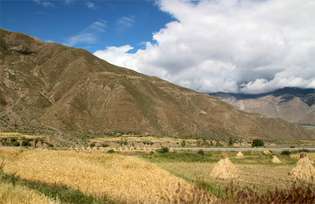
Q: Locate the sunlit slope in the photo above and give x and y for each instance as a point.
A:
(52, 88)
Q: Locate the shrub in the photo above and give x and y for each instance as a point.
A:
(26, 143)
(148, 142)
(163, 150)
(183, 143)
(14, 142)
(304, 150)
(286, 153)
(123, 142)
(116, 133)
(219, 144)
(201, 152)
(111, 151)
(258, 143)
(231, 141)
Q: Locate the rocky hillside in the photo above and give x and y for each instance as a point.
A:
(52, 88)
(292, 104)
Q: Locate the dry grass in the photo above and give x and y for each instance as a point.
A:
(310, 155)
(19, 135)
(121, 178)
(295, 193)
(10, 194)
(254, 175)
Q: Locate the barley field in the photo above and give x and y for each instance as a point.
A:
(32, 176)
(96, 177)
(256, 170)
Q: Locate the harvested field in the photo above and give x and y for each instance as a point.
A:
(10, 194)
(107, 177)
(70, 176)
(256, 170)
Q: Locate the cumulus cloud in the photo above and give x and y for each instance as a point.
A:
(229, 45)
(89, 35)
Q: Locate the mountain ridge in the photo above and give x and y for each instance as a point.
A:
(54, 88)
(289, 103)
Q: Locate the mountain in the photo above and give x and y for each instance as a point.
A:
(46, 87)
(292, 104)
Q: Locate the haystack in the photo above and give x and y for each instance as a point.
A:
(304, 170)
(267, 152)
(239, 155)
(225, 169)
(276, 160)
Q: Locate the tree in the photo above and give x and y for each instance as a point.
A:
(231, 141)
(183, 143)
(258, 143)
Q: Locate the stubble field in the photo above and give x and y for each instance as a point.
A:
(69, 176)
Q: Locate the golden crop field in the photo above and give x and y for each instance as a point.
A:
(72, 176)
(10, 194)
(97, 177)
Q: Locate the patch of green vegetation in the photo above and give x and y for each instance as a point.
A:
(202, 156)
(214, 189)
(201, 152)
(180, 156)
(111, 151)
(163, 150)
(63, 193)
(258, 143)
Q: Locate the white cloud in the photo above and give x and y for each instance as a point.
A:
(89, 35)
(229, 45)
(118, 55)
(125, 22)
(44, 3)
(69, 1)
(90, 5)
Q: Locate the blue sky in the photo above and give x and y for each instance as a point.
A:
(248, 46)
(89, 24)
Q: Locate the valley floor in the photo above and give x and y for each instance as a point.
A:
(71, 176)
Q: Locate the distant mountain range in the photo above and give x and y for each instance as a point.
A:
(291, 104)
(47, 87)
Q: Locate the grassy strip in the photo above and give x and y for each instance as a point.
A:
(212, 188)
(179, 157)
(63, 193)
(212, 157)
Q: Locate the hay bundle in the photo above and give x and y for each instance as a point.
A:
(239, 155)
(267, 152)
(304, 170)
(276, 160)
(225, 169)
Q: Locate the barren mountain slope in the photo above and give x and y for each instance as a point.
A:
(295, 105)
(50, 87)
